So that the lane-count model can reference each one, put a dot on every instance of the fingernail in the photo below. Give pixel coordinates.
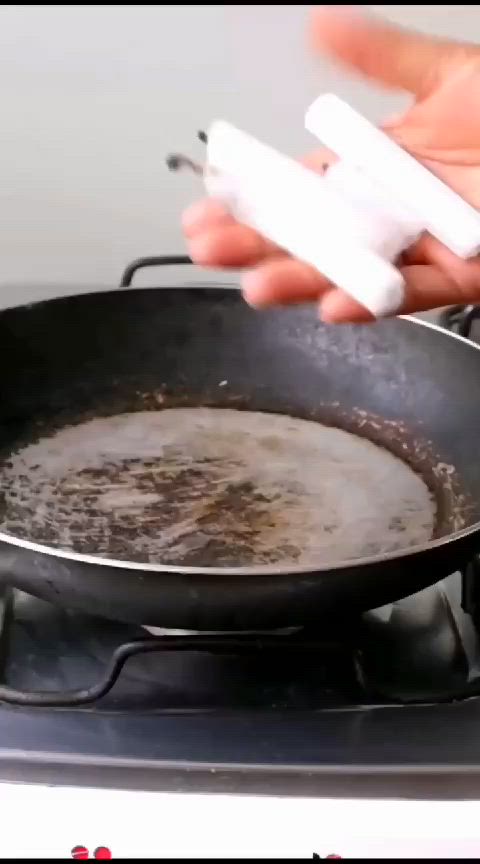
(199, 251)
(250, 292)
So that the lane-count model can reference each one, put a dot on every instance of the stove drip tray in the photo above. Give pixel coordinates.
(424, 649)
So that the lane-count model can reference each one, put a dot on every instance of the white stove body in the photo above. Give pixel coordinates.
(157, 825)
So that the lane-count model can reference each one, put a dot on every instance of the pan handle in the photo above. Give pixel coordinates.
(151, 261)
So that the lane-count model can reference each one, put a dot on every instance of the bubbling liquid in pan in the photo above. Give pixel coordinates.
(214, 487)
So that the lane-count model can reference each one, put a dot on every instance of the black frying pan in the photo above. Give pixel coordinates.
(122, 538)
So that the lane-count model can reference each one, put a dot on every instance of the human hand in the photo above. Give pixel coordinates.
(441, 129)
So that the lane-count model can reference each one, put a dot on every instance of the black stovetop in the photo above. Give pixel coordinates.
(384, 705)
(367, 705)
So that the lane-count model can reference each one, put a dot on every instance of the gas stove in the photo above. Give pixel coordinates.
(382, 706)
(369, 704)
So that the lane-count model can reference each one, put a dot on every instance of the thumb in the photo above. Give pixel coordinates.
(389, 54)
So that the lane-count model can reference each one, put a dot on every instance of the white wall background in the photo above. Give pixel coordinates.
(92, 98)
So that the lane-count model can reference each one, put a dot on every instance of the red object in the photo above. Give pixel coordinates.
(102, 853)
(80, 853)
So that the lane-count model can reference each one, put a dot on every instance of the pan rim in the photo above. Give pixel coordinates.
(262, 569)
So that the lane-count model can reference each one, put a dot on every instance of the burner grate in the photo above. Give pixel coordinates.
(422, 650)
(281, 650)
(236, 645)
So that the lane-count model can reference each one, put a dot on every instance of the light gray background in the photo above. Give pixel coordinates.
(93, 97)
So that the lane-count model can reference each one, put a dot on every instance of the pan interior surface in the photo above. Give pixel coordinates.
(202, 486)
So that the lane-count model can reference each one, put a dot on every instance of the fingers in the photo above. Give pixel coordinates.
(284, 281)
(379, 50)
(464, 274)
(215, 239)
(229, 245)
(434, 276)
(290, 282)
(426, 288)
